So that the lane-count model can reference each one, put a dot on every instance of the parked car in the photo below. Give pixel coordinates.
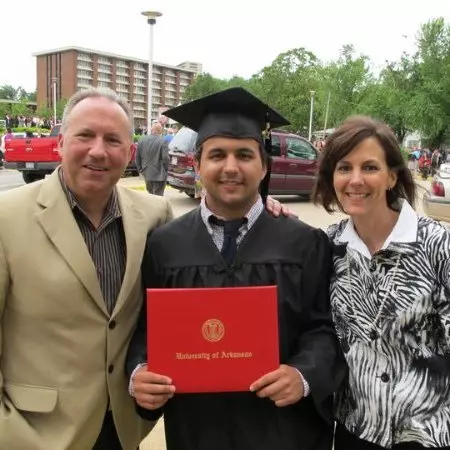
(294, 164)
(181, 172)
(436, 202)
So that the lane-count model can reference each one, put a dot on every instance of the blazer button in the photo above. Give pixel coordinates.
(111, 369)
(384, 377)
(112, 325)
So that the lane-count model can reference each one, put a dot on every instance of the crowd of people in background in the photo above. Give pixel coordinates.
(167, 132)
(425, 161)
(27, 121)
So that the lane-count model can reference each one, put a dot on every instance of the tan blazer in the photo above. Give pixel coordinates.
(62, 356)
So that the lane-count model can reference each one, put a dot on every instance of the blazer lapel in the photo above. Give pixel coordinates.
(135, 228)
(56, 219)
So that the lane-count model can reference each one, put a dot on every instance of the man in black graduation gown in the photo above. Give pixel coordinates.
(290, 408)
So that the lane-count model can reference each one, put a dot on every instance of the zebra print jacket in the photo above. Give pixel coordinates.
(392, 316)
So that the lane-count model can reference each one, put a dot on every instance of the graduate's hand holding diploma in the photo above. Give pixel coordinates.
(284, 386)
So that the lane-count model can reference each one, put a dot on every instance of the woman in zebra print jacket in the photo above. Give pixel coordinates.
(390, 295)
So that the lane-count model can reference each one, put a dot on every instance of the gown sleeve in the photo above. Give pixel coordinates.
(319, 358)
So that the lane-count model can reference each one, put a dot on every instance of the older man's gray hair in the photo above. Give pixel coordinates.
(93, 93)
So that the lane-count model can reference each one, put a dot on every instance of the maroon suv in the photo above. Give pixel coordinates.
(294, 163)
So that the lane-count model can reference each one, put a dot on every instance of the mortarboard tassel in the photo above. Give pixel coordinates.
(264, 186)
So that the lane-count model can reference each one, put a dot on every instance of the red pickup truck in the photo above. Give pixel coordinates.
(34, 157)
(38, 156)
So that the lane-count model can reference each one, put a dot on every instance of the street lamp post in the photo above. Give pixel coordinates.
(151, 20)
(326, 115)
(54, 81)
(311, 115)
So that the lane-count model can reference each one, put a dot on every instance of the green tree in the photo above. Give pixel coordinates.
(286, 85)
(4, 110)
(389, 98)
(44, 112)
(20, 109)
(348, 80)
(60, 105)
(412, 93)
(431, 101)
(31, 96)
(203, 84)
(9, 92)
(236, 81)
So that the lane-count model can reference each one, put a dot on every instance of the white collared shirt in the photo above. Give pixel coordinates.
(404, 231)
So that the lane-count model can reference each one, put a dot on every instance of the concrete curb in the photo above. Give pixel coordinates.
(139, 187)
(136, 188)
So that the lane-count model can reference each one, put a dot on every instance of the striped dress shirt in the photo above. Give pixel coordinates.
(217, 233)
(106, 244)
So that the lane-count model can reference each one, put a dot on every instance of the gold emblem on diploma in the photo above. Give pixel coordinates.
(213, 330)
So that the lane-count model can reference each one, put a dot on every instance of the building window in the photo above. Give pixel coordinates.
(104, 68)
(104, 77)
(84, 82)
(122, 64)
(105, 84)
(141, 75)
(84, 65)
(84, 74)
(104, 60)
(84, 57)
(121, 87)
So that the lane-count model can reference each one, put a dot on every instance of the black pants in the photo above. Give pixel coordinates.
(108, 439)
(344, 440)
(155, 187)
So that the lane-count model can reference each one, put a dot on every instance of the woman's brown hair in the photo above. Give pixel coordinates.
(350, 134)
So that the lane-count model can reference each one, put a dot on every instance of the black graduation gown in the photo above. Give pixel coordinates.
(281, 251)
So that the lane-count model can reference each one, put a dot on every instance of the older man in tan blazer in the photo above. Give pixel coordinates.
(70, 289)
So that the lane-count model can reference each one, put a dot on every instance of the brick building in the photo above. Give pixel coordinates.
(75, 68)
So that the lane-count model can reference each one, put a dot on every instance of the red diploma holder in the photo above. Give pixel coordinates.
(212, 339)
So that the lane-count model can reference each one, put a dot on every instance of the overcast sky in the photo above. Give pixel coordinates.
(230, 37)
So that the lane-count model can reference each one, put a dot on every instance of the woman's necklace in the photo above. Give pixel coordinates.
(374, 324)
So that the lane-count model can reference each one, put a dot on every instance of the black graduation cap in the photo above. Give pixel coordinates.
(234, 113)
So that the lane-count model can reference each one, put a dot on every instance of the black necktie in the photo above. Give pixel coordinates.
(230, 234)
